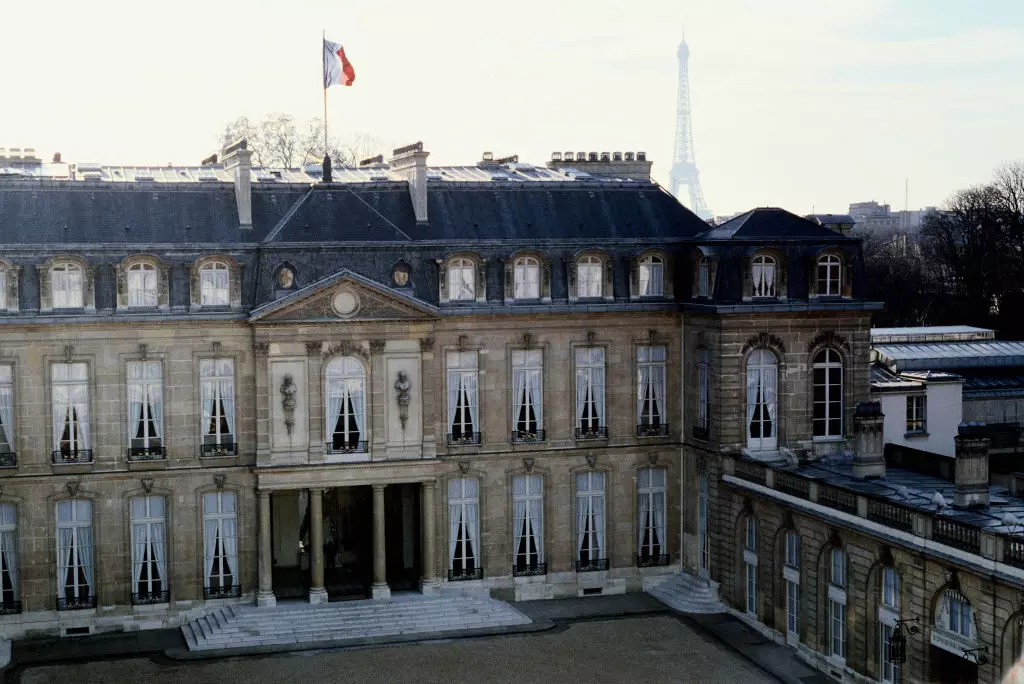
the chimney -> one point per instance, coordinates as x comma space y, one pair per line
616, 164
410, 162
971, 466
869, 445
237, 160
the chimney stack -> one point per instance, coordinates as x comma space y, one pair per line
630, 166
410, 162
869, 444
237, 159
971, 467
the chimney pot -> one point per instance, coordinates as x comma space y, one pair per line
972, 474
488, 156
629, 156
641, 156
556, 156
581, 156
869, 443
616, 156
568, 156
593, 156
606, 157
56, 157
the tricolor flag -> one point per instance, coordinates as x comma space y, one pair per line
337, 69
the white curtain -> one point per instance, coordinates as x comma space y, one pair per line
471, 512
454, 384
357, 396
9, 548
227, 395
597, 387
157, 408
769, 378
518, 511
60, 413
210, 530
597, 512
229, 539
658, 512
335, 398
643, 381
80, 401
136, 396
454, 519
85, 555
537, 525
65, 541
7, 416
581, 392
582, 517
141, 540
518, 391
536, 396
769, 278
643, 510
658, 385
753, 384
209, 395
470, 384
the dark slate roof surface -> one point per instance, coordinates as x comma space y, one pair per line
771, 223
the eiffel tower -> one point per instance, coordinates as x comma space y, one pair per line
684, 169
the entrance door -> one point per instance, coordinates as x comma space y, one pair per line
348, 542
950, 668
402, 534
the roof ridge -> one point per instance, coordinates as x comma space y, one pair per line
288, 216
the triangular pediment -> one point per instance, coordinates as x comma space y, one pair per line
344, 296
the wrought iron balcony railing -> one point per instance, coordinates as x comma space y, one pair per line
10, 607
465, 575
701, 433
150, 453
341, 447
226, 591
529, 569
463, 438
592, 565
76, 602
210, 450
593, 432
8, 459
70, 457
151, 597
651, 561
652, 430
527, 436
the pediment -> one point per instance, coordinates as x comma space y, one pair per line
345, 296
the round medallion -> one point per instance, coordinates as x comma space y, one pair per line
286, 278
400, 277
345, 303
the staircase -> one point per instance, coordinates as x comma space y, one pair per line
236, 626
688, 594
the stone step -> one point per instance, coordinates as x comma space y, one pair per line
687, 594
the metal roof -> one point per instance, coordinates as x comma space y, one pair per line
931, 333
950, 355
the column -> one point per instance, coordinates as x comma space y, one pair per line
317, 592
265, 594
430, 583
380, 588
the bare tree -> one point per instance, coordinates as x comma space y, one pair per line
278, 141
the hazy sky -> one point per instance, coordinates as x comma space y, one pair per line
796, 103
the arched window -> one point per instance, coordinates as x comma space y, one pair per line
527, 278
652, 276
213, 284
703, 541
67, 286
346, 405
763, 273
888, 614
837, 603
704, 277
589, 282
955, 616
762, 378
828, 394
791, 577
750, 563
142, 285
461, 280
830, 276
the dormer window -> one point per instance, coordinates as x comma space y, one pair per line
763, 273
142, 287
830, 276
589, 283
652, 276
704, 277
214, 284
67, 286
461, 280
527, 278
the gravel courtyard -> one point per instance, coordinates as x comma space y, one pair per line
642, 649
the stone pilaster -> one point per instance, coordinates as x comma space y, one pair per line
430, 583
380, 588
265, 595
317, 592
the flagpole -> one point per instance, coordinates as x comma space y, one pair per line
323, 58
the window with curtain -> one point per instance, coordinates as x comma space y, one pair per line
704, 390
837, 603
651, 276
214, 288
220, 577
527, 395
890, 669
464, 529
527, 278
217, 388
830, 276
955, 615
142, 286
590, 540
528, 525
10, 589
3, 289
828, 394
461, 280
66, 285
75, 580
346, 404
71, 410
650, 391
590, 416
791, 577
750, 562
890, 588
145, 408
762, 272
888, 614
463, 402
589, 282
8, 444
149, 551
762, 378
704, 277
652, 540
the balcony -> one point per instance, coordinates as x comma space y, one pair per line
652, 430
890, 515
10, 607
702, 433
652, 561
343, 447
146, 453
8, 459
76, 602
529, 569
226, 591
72, 457
593, 565
527, 436
751, 472
212, 450
956, 534
465, 575
463, 438
151, 597
594, 432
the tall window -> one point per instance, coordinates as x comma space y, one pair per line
464, 529
3, 289
750, 563
837, 603
762, 377
527, 395
213, 283
590, 548
704, 390
888, 614
142, 285
650, 390
527, 278
652, 539
461, 280
9, 585
67, 286
346, 404
652, 276
71, 410
828, 394
217, 380
463, 403
703, 539
75, 587
589, 283
830, 271
791, 576
590, 418
8, 445
763, 273
149, 553
528, 524
220, 577
145, 408
704, 277
916, 413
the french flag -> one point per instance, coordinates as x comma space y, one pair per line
337, 69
